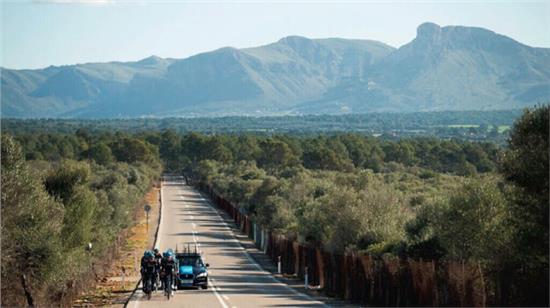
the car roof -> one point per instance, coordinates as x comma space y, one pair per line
188, 254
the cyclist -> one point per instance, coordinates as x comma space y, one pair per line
168, 269
158, 260
148, 270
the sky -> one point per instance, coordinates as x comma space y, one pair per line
37, 34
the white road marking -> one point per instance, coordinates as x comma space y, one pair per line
213, 288
225, 297
194, 225
195, 238
159, 235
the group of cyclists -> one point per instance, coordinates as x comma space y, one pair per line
157, 267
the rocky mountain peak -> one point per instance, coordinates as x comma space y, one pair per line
428, 33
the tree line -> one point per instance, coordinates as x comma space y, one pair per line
468, 125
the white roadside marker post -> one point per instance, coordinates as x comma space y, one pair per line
306, 282
279, 266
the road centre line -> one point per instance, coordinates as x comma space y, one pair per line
213, 287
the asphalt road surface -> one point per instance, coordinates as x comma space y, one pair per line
235, 280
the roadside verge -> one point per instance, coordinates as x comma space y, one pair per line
114, 288
154, 244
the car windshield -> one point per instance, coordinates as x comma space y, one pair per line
192, 261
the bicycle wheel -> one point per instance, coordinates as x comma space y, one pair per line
167, 287
148, 288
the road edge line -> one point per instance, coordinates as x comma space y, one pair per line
218, 296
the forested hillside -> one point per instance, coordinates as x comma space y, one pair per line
429, 198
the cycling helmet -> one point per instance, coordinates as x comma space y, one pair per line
169, 253
148, 254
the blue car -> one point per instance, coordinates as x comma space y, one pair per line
192, 271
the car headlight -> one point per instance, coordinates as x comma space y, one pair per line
202, 275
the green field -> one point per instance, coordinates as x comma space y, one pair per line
463, 125
503, 128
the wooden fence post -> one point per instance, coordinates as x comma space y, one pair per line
483, 297
28, 295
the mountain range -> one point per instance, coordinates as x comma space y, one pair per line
442, 68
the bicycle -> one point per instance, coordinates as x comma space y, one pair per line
148, 286
157, 281
168, 286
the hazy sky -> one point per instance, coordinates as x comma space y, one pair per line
41, 33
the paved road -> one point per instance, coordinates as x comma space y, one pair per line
235, 280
